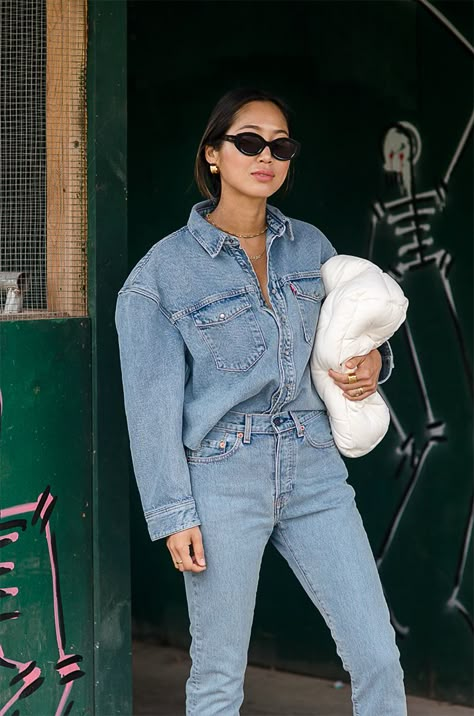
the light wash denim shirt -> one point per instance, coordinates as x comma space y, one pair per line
197, 339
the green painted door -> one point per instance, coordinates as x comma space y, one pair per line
46, 662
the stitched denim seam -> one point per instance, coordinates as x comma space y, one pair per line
217, 357
323, 445
306, 331
142, 291
316, 300
281, 224
196, 638
217, 458
147, 293
295, 275
146, 258
229, 425
177, 315
169, 509
258, 338
219, 321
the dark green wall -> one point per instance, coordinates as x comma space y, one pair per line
350, 70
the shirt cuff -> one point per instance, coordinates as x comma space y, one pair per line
166, 520
387, 362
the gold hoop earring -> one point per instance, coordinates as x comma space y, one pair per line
214, 169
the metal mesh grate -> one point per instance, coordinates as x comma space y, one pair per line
43, 227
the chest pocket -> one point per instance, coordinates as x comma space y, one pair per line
308, 292
231, 332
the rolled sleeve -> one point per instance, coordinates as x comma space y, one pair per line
386, 353
152, 358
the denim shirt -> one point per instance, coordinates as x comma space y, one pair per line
197, 339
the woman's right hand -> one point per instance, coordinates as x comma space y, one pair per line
179, 543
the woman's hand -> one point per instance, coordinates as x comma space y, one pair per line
365, 371
179, 544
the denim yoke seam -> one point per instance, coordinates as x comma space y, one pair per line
328, 617
151, 295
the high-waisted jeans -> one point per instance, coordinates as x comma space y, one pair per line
259, 477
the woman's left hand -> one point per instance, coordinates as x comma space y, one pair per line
366, 370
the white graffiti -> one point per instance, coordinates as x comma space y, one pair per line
409, 219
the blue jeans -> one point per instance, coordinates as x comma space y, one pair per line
259, 477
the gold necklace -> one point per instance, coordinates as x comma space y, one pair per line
239, 236
254, 258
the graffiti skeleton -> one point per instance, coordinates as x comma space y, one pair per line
409, 218
29, 673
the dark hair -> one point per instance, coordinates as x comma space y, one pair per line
219, 122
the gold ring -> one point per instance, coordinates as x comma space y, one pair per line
179, 562
351, 378
359, 391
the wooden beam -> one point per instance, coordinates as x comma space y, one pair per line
66, 150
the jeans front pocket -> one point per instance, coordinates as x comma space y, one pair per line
317, 431
309, 292
231, 331
218, 444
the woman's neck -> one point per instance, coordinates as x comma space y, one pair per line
243, 217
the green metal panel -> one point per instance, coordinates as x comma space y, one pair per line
107, 201
350, 70
46, 518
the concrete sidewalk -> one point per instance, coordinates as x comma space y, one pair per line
159, 675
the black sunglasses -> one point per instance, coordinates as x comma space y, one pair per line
252, 144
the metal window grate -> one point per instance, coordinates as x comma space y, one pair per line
43, 198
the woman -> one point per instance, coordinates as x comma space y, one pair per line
230, 441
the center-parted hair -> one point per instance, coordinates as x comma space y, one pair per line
218, 125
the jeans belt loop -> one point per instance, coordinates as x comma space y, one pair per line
248, 427
299, 427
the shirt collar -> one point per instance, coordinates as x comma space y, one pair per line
212, 239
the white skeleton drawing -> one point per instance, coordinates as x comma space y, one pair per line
409, 218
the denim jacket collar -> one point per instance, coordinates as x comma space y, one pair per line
212, 239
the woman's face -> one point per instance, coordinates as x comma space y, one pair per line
259, 176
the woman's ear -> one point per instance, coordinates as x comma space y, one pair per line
210, 153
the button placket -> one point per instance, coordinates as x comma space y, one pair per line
246, 264
284, 393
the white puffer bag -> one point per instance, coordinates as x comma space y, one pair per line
363, 308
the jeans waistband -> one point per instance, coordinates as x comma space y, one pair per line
249, 423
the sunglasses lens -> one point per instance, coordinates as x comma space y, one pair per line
284, 149
250, 144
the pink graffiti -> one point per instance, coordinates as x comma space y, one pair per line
32, 674
29, 673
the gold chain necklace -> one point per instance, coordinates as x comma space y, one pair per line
254, 258
239, 236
